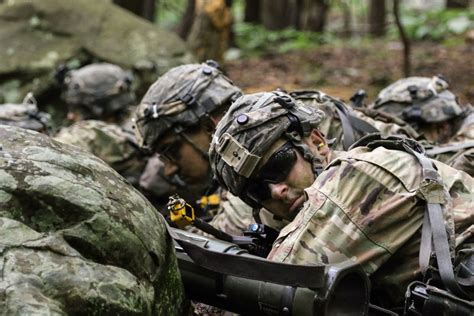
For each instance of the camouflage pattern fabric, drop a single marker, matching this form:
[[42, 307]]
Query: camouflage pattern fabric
[[180, 99], [466, 130], [386, 123], [462, 159], [99, 89], [110, 143], [233, 216], [331, 125], [379, 226], [76, 238], [25, 115], [419, 98]]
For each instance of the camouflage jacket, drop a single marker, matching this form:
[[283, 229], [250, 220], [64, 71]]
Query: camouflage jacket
[[459, 151], [378, 226], [233, 215], [75, 238], [332, 127], [110, 143]]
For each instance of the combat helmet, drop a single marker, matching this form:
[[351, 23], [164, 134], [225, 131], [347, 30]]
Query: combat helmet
[[97, 90], [253, 128], [25, 115], [419, 99], [180, 99]]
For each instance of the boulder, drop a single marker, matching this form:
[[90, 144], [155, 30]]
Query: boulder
[[38, 36], [75, 238]]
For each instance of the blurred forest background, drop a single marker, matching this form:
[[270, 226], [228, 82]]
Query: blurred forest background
[[337, 46], [334, 45]]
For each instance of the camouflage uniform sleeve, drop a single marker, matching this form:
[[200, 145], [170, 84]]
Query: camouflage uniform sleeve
[[377, 226], [385, 124], [234, 216], [339, 223], [466, 131]]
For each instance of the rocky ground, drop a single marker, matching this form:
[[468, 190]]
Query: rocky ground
[[342, 69]]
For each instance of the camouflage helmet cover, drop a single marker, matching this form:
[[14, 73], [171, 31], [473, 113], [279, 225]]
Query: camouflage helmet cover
[[25, 115], [249, 131], [180, 99], [100, 88], [419, 98]]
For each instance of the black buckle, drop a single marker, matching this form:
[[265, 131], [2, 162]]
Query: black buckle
[[285, 101], [188, 99]]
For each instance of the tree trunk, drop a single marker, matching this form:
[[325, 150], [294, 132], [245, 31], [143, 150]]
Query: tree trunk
[[457, 4], [149, 9], [404, 38], [313, 15], [187, 20], [347, 16], [377, 18], [275, 14], [209, 35], [142, 8], [252, 11]]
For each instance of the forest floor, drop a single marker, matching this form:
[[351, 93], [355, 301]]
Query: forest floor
[[340, 70]]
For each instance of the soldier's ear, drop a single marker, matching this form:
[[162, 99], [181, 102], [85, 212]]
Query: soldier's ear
[[317, 138], [210, 124]]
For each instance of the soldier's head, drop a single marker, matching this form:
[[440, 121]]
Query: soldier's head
[[178, 114], [25, 115], [98, 91], [267, 150], [426, 103]]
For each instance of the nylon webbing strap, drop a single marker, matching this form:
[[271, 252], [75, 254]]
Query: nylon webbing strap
[[449, 148], [347, 128], [252, 267], [434, 231], [351, 124]]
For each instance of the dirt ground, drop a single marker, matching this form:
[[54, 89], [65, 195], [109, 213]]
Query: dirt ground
[[343, 69]]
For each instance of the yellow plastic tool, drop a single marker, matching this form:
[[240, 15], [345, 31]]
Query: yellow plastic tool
[[181, 213], [212, 201]]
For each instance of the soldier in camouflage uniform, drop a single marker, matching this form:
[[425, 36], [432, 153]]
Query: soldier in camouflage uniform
[[176, 118], [98, 91], [434, 111], [110, 142], [343, 125], [365, 205], [102, 94], [25, 115], [75, 238]]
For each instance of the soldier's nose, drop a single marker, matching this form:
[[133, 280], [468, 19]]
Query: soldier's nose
[[278, 190], [170, 169]]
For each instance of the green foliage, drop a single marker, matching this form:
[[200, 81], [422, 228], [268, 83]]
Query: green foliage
[[435, 25], [169, 12], [256, 40]]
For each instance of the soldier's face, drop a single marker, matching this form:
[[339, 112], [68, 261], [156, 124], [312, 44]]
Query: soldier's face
[[287, 197], [182, 158], [281, 190]]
